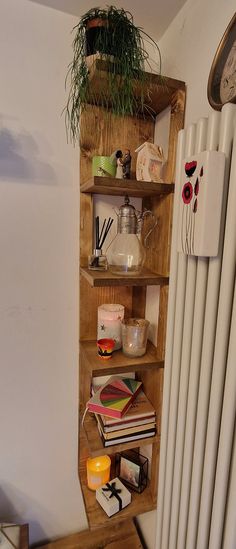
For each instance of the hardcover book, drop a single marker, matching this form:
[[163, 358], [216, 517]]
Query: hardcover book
[[128, 438], [115, 397], [124, 431], [141, 411]]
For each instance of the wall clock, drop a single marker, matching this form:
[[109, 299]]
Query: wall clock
[[222, 78]]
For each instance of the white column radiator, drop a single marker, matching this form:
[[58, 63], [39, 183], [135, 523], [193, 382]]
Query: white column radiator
[[197, 474]]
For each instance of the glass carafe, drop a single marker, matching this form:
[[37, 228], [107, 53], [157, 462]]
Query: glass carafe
[[126, 253]]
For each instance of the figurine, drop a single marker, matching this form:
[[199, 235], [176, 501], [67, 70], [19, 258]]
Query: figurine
[[119, 165], [116, 159], [126, 164]]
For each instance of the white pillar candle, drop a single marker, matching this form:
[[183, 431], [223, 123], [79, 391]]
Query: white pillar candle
[[109, 322]]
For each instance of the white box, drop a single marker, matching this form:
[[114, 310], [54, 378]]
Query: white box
[[111, 501]]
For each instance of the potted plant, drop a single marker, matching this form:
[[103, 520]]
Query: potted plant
[[107, 32]]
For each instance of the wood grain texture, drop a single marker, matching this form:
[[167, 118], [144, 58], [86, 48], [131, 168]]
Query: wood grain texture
[[159, 242], [99, 279], [85, 381], [102, 133], [118, 363], [24, 536], [159, 90], [86, 228], [176, 124], [139, 301], [122, 187], [160, 383], [120, 534], [155, 470], [162, 320]]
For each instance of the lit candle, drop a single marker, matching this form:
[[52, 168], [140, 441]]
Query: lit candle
[[109, 322], [98, 471]]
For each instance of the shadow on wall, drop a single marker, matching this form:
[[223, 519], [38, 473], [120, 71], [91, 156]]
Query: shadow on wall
[[21, 511], [20, 159]]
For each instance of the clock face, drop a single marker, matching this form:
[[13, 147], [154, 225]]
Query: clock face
[[228, 79], [222, 78]]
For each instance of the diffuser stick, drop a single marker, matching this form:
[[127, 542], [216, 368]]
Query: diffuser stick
[[97, 231], [109, 224], [100, 236]]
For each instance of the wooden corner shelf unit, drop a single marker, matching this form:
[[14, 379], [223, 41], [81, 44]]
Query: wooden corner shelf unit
[[101, 134]]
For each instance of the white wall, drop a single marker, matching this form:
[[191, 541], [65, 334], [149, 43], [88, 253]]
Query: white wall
[[38, 275], [189, 45], [188, 48], [39, 250]]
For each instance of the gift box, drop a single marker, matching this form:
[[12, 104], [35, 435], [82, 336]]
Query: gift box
[[113, 497]]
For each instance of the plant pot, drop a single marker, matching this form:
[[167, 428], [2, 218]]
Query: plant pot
[[97, 38], [109, 34]]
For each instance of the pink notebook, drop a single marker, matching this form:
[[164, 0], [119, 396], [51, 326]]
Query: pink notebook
[[115, 397]]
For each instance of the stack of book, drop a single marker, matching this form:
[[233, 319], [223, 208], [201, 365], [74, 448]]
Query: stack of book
[[139, 422], [123, 418]]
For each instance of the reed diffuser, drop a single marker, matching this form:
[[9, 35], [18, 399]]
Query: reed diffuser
[[97, 261]]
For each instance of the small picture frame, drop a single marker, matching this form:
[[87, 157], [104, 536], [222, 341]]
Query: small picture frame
[[14, 536], [132, 469]]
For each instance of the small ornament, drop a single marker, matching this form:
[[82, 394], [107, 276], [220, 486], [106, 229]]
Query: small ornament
[[126, 164], [150, 162], [116, 159]]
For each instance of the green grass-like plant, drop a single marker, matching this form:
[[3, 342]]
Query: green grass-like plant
[[121, 39]]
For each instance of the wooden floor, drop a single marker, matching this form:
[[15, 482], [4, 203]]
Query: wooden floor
[[113, 537]]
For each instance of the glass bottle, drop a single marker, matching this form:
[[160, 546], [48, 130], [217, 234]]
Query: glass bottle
[[97, 261]]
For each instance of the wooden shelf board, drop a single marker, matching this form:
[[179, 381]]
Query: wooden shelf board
[[121, 187], [106, 278], [94, 441], [119, 363], [159, 89], [140, 503], [104, 538]]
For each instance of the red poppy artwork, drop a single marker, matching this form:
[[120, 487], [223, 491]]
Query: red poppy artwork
[[196, 187], [187, 193], [190, 167], [201, 192], [195, 205]]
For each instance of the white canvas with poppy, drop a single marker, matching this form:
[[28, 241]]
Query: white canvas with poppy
[[201, 193]]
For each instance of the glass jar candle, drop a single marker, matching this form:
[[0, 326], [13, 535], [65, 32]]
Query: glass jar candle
[[110, 316], [98, 471], [134, 336]]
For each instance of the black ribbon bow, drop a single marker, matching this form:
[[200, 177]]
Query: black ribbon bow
[[111, 487]]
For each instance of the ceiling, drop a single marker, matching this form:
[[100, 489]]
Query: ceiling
[[154, 16]]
